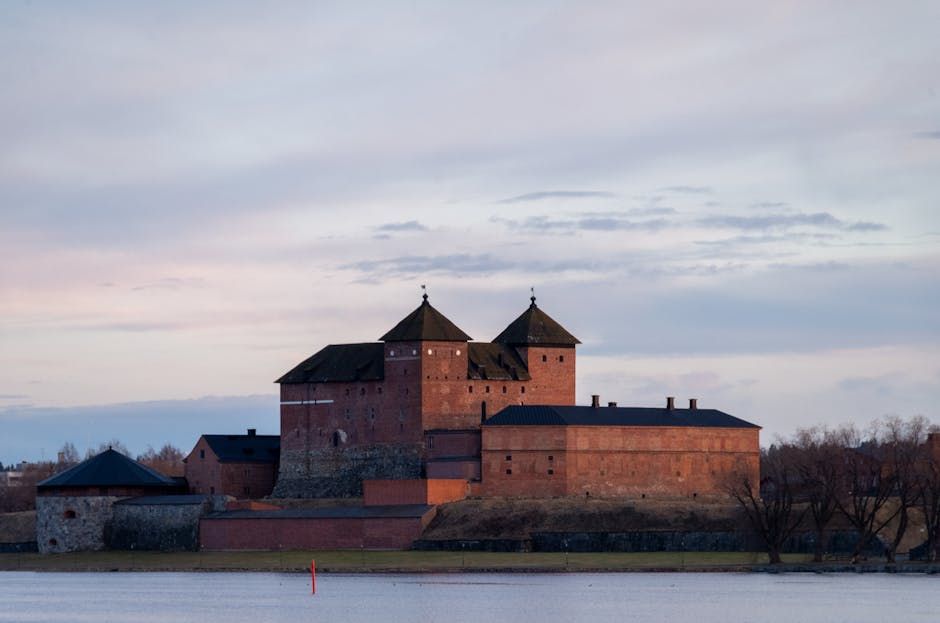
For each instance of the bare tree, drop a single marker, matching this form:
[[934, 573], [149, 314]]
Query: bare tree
[[816, 456], [114, 444], [928, 492], [903, 449], [168, 460], [768, 503], [866, 487], [68, 456]]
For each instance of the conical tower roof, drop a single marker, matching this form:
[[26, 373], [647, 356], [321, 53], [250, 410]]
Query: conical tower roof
[[535, 328], [425, 323], [108, 469]]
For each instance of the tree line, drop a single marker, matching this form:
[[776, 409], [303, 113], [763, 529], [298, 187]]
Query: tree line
[[20, 494], [876, 481]]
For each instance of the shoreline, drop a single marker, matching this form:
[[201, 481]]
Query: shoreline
[[416, 562]]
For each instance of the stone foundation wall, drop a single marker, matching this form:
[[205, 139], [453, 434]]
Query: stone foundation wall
[[339, 472], [161, 527], [73, 523]]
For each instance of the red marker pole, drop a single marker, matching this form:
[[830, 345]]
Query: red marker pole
[[313, 577]]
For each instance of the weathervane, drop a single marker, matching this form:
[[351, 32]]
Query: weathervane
[[424, 291], [532, 290]]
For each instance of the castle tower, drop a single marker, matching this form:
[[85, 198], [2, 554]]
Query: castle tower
[[548, 351]]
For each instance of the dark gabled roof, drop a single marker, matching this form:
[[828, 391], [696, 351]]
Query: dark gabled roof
[[535, 328], [245, 448], [496, 362], [108, 469], [341, 363], [425, 323], [537, 415]]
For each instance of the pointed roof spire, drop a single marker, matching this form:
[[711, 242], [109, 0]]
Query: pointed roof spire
[[535, 328], [424, 295], [425, 324]]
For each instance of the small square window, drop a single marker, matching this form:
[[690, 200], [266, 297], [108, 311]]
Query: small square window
[[508, 457], [551, 458], [561, 357], [470, 389], [544, 358], [550, 472], [509, 471]]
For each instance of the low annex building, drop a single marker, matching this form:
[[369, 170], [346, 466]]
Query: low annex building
[[552, 451], [75, 508], [242, 466]]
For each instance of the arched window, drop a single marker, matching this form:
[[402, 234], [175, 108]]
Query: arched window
[[69, 514]]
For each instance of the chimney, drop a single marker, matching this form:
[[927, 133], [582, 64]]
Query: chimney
[[670, 402], [611, 404], [595, 400], [693, 404], [252, 432]]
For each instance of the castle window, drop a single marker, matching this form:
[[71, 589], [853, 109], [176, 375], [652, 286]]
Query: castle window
[[202, 454], [211, 490], [430, 443], [508, 457], [561, 358], [347, 391], [53, 542], [458, 352], [362, 392], [544, 358], [414, 352], [504, 389], [335, 439], [372, 413], [487, 389], [551, 458], [522, 389], [509, 471], [246, 490], [379, 390], [430, 352], [550, 472], [348, 414], [391, 353], [69, 514], [470, 389]]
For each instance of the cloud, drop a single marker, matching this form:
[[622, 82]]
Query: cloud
[[592, 221], [933, 135], [402, 226], [786, 221], [769, 205], [457, 263], [559, 194], [688, 190], [167, 283]]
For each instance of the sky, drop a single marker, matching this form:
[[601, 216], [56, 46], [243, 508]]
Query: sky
[[735, 201]]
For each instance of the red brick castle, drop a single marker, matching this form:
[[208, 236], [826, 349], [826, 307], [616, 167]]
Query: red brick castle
[[412, 404], [426, 402]]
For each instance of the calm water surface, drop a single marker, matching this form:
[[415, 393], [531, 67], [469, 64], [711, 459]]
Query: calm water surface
[[520, 598]]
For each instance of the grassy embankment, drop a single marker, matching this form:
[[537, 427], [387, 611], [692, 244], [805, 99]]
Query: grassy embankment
[[345, 561]]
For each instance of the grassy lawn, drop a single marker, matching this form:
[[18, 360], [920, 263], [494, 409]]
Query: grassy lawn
[[369, 561]]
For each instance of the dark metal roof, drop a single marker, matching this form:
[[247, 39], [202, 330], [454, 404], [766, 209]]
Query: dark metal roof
[[497, 362], [108, 469], [245, 448], [536, 328], [351, 512], [341, 363], [537, 415], [425, 323], [164, 500]]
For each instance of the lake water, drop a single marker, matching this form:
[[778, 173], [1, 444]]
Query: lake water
[[516, 598]]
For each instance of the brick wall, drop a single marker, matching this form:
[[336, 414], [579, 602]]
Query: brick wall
[[538, 461], [310, 533], [419, 491]]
